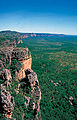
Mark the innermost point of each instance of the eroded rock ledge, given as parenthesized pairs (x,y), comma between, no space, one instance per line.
(25,76)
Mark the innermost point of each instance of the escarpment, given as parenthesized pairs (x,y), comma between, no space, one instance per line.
(23,55)
(18,79)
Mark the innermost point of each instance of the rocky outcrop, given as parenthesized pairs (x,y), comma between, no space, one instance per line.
(25,76)
(33,35)
(5,75)
(34,92)
(6,102)
(20,54)
(5,54)
(32,81)
(26,64)
(23,55)
(19,41)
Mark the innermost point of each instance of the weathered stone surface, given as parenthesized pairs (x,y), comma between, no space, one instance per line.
(7,102)
(20,54)
(31,77)
(26,64)
(5,54)
(25,58)
(5,74)
(32,82)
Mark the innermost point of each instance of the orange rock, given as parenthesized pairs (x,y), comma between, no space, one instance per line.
(25,36)
(20,41)
(31,35)
(26,64)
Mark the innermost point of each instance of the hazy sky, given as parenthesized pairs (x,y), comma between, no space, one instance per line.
(51,16)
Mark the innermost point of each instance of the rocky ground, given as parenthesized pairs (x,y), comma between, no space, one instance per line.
(15,65)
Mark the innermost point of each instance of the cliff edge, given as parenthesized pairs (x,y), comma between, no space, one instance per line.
(19,86)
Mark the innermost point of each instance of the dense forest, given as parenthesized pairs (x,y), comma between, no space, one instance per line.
(54,59)
(55,62)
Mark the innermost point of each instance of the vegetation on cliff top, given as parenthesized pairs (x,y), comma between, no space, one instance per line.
(13,90)
(55,62)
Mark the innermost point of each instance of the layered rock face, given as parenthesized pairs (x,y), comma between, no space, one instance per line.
(22,55)
(25,75)
(25,65)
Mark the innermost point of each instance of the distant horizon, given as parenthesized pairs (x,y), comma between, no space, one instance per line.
(37,32)
(39,16)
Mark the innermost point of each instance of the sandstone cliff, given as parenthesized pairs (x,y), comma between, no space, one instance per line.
(17,78)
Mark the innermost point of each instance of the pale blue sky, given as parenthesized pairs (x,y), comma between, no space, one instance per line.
(50,16)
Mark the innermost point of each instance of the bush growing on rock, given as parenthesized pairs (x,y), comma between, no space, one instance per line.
(15,66)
